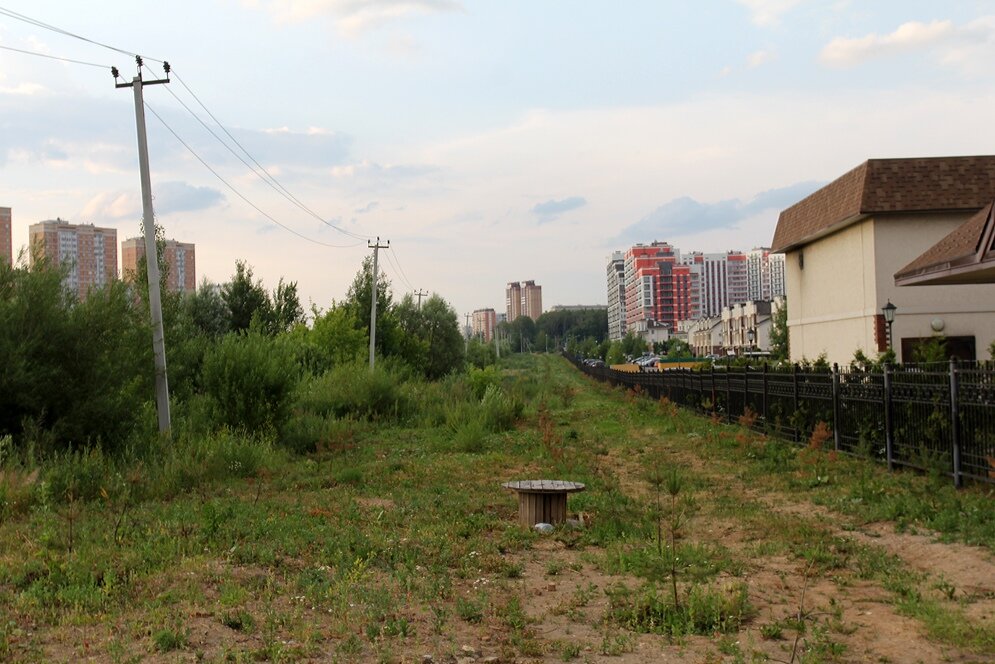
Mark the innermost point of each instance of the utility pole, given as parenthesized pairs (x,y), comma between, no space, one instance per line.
(373,306)
(420,295)
(466,334)
(497,341)
(151,254)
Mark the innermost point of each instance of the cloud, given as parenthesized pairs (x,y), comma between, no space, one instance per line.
(551,209)
(759,58)
(113,206)
(369,207)
(950,39)
(181,197)
(353,17)
(768,12)
(686,215)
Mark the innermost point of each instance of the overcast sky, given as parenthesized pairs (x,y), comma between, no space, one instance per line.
(488,141)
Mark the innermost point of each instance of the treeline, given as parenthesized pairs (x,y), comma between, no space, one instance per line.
(554,330)
(76,374)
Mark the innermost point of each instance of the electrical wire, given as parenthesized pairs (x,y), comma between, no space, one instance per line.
(257,169)
(53,57)
(48,26)
(396,270)
(238,193)
(400,269)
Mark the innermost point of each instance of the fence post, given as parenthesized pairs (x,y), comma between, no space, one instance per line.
(715,406)
(728,395)
(954,423)
(746,388)
(836,406)
(794,394)
(889,424)
(766,421)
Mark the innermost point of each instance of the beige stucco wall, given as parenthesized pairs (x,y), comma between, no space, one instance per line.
(849,275)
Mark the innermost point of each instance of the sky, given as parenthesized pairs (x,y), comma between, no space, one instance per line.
(487,141)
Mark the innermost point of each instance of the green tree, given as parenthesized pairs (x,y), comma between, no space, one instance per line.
(359,299)
(615,354)
(779,349)
(286,311)
(633,345)
(246,299)
(480,354)
(208,310)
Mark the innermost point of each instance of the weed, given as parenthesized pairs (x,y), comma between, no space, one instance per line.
(239,620)
(472,611)
(166,640)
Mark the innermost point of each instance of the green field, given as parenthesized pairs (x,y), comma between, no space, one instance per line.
(700,542)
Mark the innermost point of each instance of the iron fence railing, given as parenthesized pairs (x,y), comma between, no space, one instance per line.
(938,417)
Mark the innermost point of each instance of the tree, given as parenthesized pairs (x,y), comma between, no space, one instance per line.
(245,299)
(286,311)
(359,300)
(430,339)
(208,310)
(633,345)
(779,349)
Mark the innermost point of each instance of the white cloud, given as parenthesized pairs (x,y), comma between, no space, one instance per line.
(955,44)
(759,58)
(113,206)
(768,12)
(353,17)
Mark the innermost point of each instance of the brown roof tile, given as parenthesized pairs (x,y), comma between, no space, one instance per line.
(888,186)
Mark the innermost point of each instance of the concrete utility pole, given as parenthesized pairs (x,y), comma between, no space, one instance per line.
(373,306)
(420,295)
(466,334)
(151,254)
(497,341)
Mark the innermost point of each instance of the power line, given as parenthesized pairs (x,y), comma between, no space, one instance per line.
(238,193)
(401,270)
(48,26)
(54,57)
(397,271)
(257,169)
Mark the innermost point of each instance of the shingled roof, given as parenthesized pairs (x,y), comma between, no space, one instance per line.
(877,186)
(965,256)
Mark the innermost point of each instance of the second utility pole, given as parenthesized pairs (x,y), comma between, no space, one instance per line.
(373,307)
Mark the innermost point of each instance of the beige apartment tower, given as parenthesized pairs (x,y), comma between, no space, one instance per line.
(483,322)
(87,251)
(6,245)
(180,258)
(523,299)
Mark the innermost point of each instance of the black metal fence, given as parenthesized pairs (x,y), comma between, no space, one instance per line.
(930,417)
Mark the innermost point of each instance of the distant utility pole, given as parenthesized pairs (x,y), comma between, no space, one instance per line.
(151,254)
(420,295)
(466,334)
(373,307)
(497,341)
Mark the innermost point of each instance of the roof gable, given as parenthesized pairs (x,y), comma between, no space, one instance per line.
(966,255)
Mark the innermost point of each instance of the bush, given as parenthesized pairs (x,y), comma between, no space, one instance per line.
(251,379)
(352,390)
(498,411)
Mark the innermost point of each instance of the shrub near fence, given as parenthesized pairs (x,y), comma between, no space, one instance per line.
(936,417)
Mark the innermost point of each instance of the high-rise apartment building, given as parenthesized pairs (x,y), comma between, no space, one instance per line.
(658,287)
(483,322)
(88,252)
(661,286)
(765,274)
(523,299)
(615,271)
(531,300)
(513,300)
(6,245)
(180,258)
